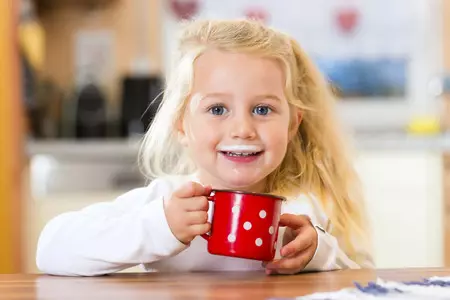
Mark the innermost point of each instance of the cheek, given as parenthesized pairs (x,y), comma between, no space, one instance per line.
(278,137)
(201,136)
(282,142)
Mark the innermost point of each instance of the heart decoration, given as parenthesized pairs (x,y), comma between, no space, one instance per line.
(347,19)
(184,9)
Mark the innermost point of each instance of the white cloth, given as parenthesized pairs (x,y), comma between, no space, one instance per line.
(111,236)
(436,288)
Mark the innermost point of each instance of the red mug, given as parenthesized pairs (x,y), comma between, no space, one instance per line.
(244,224)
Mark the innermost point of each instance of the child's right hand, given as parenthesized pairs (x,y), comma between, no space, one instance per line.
(187,211)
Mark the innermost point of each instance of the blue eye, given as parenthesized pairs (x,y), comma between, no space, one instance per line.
(262,110)
(218,110)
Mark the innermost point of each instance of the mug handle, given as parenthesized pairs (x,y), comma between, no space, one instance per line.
(207,236)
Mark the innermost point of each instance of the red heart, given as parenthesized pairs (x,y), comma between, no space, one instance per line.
(184,9)
(347,19)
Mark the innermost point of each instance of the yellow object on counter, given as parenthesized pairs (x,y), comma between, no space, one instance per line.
(424,125)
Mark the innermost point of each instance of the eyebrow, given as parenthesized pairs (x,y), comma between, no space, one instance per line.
(215,95)
(225,95)
(268,96)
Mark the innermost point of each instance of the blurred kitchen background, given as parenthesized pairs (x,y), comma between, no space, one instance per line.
(77,78)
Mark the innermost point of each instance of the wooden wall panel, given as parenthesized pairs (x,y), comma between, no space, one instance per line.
(11,132)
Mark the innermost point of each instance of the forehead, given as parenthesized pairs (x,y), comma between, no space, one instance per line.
(216,70)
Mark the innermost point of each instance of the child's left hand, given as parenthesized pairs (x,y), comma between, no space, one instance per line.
(299,245)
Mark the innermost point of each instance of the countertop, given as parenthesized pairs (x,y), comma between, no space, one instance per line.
(212,285)
(125,148)
(105,148)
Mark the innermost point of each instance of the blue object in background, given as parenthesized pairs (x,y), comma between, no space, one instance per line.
(356,77)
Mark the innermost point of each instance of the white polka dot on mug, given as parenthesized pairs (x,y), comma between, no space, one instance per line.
(247,225)
(231,238)
(262,214)
(236,209)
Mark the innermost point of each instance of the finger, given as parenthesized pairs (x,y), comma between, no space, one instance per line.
(192,189)
(199,229)
(302,241)
(291,265)
(199,203)
(208,190)
(294,221)
(197,217)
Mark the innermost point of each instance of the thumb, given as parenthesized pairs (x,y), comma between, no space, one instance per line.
(192,189)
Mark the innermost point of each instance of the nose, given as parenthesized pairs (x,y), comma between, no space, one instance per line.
(243,127)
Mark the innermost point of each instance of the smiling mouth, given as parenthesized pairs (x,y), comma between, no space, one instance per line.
(241,154)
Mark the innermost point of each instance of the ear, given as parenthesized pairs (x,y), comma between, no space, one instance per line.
(297,117)
(182,138)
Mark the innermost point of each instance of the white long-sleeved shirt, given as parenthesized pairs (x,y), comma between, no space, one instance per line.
(132,230)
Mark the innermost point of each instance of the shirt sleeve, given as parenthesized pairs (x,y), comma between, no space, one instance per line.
(108,237)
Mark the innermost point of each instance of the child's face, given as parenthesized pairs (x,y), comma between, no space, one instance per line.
(236,125)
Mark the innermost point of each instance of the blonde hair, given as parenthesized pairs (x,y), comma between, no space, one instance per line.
(316,161)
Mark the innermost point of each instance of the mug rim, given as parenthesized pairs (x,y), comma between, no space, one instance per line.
(250,193)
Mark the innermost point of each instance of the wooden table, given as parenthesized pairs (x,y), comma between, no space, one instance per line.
(153,286)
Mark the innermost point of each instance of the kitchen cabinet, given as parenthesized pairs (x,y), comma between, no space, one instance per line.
(404,198)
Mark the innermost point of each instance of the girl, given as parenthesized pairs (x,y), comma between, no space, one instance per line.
(244,109)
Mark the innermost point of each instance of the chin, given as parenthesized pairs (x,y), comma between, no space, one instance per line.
(243,185)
